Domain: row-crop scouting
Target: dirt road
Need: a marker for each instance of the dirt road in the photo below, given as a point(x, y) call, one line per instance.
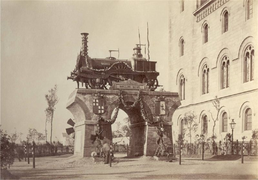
point(70, 167)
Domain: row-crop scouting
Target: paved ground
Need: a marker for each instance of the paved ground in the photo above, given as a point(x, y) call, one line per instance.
point(70, 167)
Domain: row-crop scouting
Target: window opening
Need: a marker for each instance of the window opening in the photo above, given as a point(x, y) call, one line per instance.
point(224, 122)
point(205, 80)
point(225, 22)
point(205, 35)
point(182, 87)
point(225, 72)
point(248, 119)
point(205, 125)
point(249, 64)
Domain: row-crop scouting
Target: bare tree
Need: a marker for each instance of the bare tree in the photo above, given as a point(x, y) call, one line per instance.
point(15, 136)
point(216, 104)
point(191, 125)
point(34, 135)
point(52, 100)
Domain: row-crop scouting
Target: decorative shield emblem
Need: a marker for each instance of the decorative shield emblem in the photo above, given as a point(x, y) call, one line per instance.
point(98, 104)
point(160, 107)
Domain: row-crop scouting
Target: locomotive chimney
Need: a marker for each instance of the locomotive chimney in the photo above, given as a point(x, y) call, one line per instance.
point(84, 49)
point(137, 51)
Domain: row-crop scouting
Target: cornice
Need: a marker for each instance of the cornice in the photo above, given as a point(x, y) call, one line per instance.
point(208, 8)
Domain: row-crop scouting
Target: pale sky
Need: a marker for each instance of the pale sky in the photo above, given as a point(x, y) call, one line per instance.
point(40, 41)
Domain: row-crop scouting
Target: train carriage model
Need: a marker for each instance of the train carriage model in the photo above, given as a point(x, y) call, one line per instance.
point(100, 73)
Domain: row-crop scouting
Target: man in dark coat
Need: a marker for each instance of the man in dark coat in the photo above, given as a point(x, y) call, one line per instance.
point(106, 150)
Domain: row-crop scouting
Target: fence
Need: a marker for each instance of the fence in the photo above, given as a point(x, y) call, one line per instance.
point(42, 150)
point(219, 148)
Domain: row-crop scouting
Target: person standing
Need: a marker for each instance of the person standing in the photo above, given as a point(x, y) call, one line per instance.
point(106, 150)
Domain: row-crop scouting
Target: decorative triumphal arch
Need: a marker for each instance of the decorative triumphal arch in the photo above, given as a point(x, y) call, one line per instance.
point(111, 84)
point(147, 110)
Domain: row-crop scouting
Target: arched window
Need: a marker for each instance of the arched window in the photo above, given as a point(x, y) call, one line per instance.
point(225, 22)
point(249, 9)
point(182, 5)
point(205, 33)
point(182, 48)
point(182, 87)
point(225, 72)
point(248, 119)
point(205, 79)
point(249, 64)
point(224, 122)
point(204, 124)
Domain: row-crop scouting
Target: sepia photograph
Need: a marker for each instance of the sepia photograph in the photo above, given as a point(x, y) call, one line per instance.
point(128, 90)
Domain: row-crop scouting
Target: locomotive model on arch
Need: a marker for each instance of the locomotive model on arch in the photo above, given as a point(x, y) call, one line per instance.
point(99, 73)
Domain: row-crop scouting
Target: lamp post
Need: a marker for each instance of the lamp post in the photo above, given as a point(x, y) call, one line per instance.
point(232, 125)
point(202, 140)
point(33, 153)
point(242, 150)
point(28, 150)
point(180, 147)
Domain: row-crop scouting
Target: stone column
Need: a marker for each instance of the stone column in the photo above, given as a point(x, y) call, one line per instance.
point(80, 105)
point(137, 139)
point(151, 138)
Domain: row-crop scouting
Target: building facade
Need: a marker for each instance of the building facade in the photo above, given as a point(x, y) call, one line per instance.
point(212, 64)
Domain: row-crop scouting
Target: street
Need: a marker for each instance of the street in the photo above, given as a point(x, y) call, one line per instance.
point(70, 167)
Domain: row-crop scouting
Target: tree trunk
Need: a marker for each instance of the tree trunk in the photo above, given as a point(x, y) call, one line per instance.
point(51, 126)
point(46, 129)
point(190, 130)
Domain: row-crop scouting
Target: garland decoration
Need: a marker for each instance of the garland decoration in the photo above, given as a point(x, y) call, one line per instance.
point(122, 101)
point(143, 113)
point(160, 128)
point(113, 118)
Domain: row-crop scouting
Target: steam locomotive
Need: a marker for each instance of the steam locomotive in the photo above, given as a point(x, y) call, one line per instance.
point(100, 73)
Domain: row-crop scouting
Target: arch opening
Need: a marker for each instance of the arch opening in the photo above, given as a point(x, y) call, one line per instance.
point(121, 133)
point(129, 131)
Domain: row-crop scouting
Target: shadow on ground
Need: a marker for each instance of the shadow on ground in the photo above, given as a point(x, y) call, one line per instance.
point(217, 158)
point(224, 158)
point(198, 176)
point(5, 174)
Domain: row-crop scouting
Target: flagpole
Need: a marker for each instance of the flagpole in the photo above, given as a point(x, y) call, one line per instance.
point(148, 41)
point(139, 36)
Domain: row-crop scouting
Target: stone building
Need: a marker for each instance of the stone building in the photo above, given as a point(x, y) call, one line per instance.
point(212, 46)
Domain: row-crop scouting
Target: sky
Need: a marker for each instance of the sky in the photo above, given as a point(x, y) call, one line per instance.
point(40, 41)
